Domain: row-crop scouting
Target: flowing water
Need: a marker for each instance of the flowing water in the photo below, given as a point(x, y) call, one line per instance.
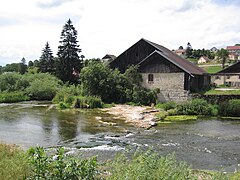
point(205, 144)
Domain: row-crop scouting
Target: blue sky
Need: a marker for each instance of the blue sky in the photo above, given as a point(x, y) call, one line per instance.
point(111, 26)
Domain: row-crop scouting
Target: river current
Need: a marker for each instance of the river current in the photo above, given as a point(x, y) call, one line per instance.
point(212, 144)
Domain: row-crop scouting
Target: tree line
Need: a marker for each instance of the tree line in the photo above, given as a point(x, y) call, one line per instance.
point(66, 65)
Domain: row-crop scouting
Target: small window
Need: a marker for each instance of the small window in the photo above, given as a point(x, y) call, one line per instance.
point(228, 77)
point(238, 77)
point(150, 78)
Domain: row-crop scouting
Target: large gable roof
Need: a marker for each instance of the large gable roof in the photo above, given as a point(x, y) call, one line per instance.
point(184, 64)
point(233, 69)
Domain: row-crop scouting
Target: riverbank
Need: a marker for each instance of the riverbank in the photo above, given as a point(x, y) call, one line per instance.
point(139, 116)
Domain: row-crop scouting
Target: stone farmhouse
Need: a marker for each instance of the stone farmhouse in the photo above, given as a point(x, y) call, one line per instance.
point(229, 76)
point(161, 68)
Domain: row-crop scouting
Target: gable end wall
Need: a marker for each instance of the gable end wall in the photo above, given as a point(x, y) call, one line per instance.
point(171, 86)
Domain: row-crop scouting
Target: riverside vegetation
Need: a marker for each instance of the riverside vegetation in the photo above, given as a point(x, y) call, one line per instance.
point(36, 163)
point(198, 107)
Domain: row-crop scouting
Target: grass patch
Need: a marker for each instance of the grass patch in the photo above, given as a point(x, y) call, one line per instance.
point(212, 69)
point(222, 92)
point(181, 118)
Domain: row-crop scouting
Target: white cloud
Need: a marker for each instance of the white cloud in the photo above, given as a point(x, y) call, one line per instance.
point(109, 26)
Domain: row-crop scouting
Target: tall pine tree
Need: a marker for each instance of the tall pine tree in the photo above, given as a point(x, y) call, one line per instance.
point(46, 61)
point(69, 63)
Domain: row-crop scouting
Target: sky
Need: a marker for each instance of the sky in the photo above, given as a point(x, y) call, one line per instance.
point(112, 26)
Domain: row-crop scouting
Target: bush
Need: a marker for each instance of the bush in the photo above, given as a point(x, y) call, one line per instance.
point(12, 97)
point(11, 82)
point(148, 165)
point(197, 107)
point(67, 93)
point(88, 102)
point(230, 108)
point(42, 86)
point(60, 166)
point(166, 106)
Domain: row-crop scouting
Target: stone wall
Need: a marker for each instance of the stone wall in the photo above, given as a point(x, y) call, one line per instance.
point(232, 80)
point(171, 86)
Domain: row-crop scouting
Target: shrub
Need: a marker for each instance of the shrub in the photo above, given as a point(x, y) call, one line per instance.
point(88, 102)
point(12, 97)
point(67, 93)
point(166, 106)
point(60, 166)
point(197, 107)
point(43, 86)
point(230, 108)
point(148, 165)
point(11, 82)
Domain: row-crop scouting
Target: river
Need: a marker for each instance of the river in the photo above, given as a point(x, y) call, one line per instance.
point(211, 144)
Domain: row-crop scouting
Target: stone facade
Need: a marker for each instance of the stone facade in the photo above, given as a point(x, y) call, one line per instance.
point(231, 80)
point(171, 86)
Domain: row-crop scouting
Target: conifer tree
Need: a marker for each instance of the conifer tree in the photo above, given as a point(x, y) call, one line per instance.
point(69, 64)
point(46, 61)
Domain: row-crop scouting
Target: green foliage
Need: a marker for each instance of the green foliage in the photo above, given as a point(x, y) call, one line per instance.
point(10, 82)
point(12, 97)
point(112, 86)
point(46, 61)
point(62, 105)
point(67, 93)
point(69, 64)
point(223, 55)
point(133, 76)
point(166, 106)
point(148, 165)
point(42, 86)
point(230, 108)
point(197, 107)
point(87, 102)
point(13, 163)
point(59, 166)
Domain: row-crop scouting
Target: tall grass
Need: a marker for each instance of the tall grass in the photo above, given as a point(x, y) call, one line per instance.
point(13, 163)
point(148, 165)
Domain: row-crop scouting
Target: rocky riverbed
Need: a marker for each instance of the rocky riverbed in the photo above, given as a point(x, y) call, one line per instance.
point(139, 116)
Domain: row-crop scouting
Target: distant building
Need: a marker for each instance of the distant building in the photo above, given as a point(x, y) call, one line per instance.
point(203, 59)
point(161, 68)
point(234, 52)
point(214, 49)
point(229, 76)
point(108, 58)
point(180, 52)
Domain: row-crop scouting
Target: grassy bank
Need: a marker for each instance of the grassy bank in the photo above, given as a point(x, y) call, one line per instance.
point(190, 110)
point(37, 164)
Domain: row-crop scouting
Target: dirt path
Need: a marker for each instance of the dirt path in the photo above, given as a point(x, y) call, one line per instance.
point(139, 116)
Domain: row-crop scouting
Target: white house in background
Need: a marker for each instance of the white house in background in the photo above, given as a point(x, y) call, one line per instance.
point(203, 59)
point(214, 49)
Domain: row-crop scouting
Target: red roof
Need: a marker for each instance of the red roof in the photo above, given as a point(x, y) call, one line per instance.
point(233, 47)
